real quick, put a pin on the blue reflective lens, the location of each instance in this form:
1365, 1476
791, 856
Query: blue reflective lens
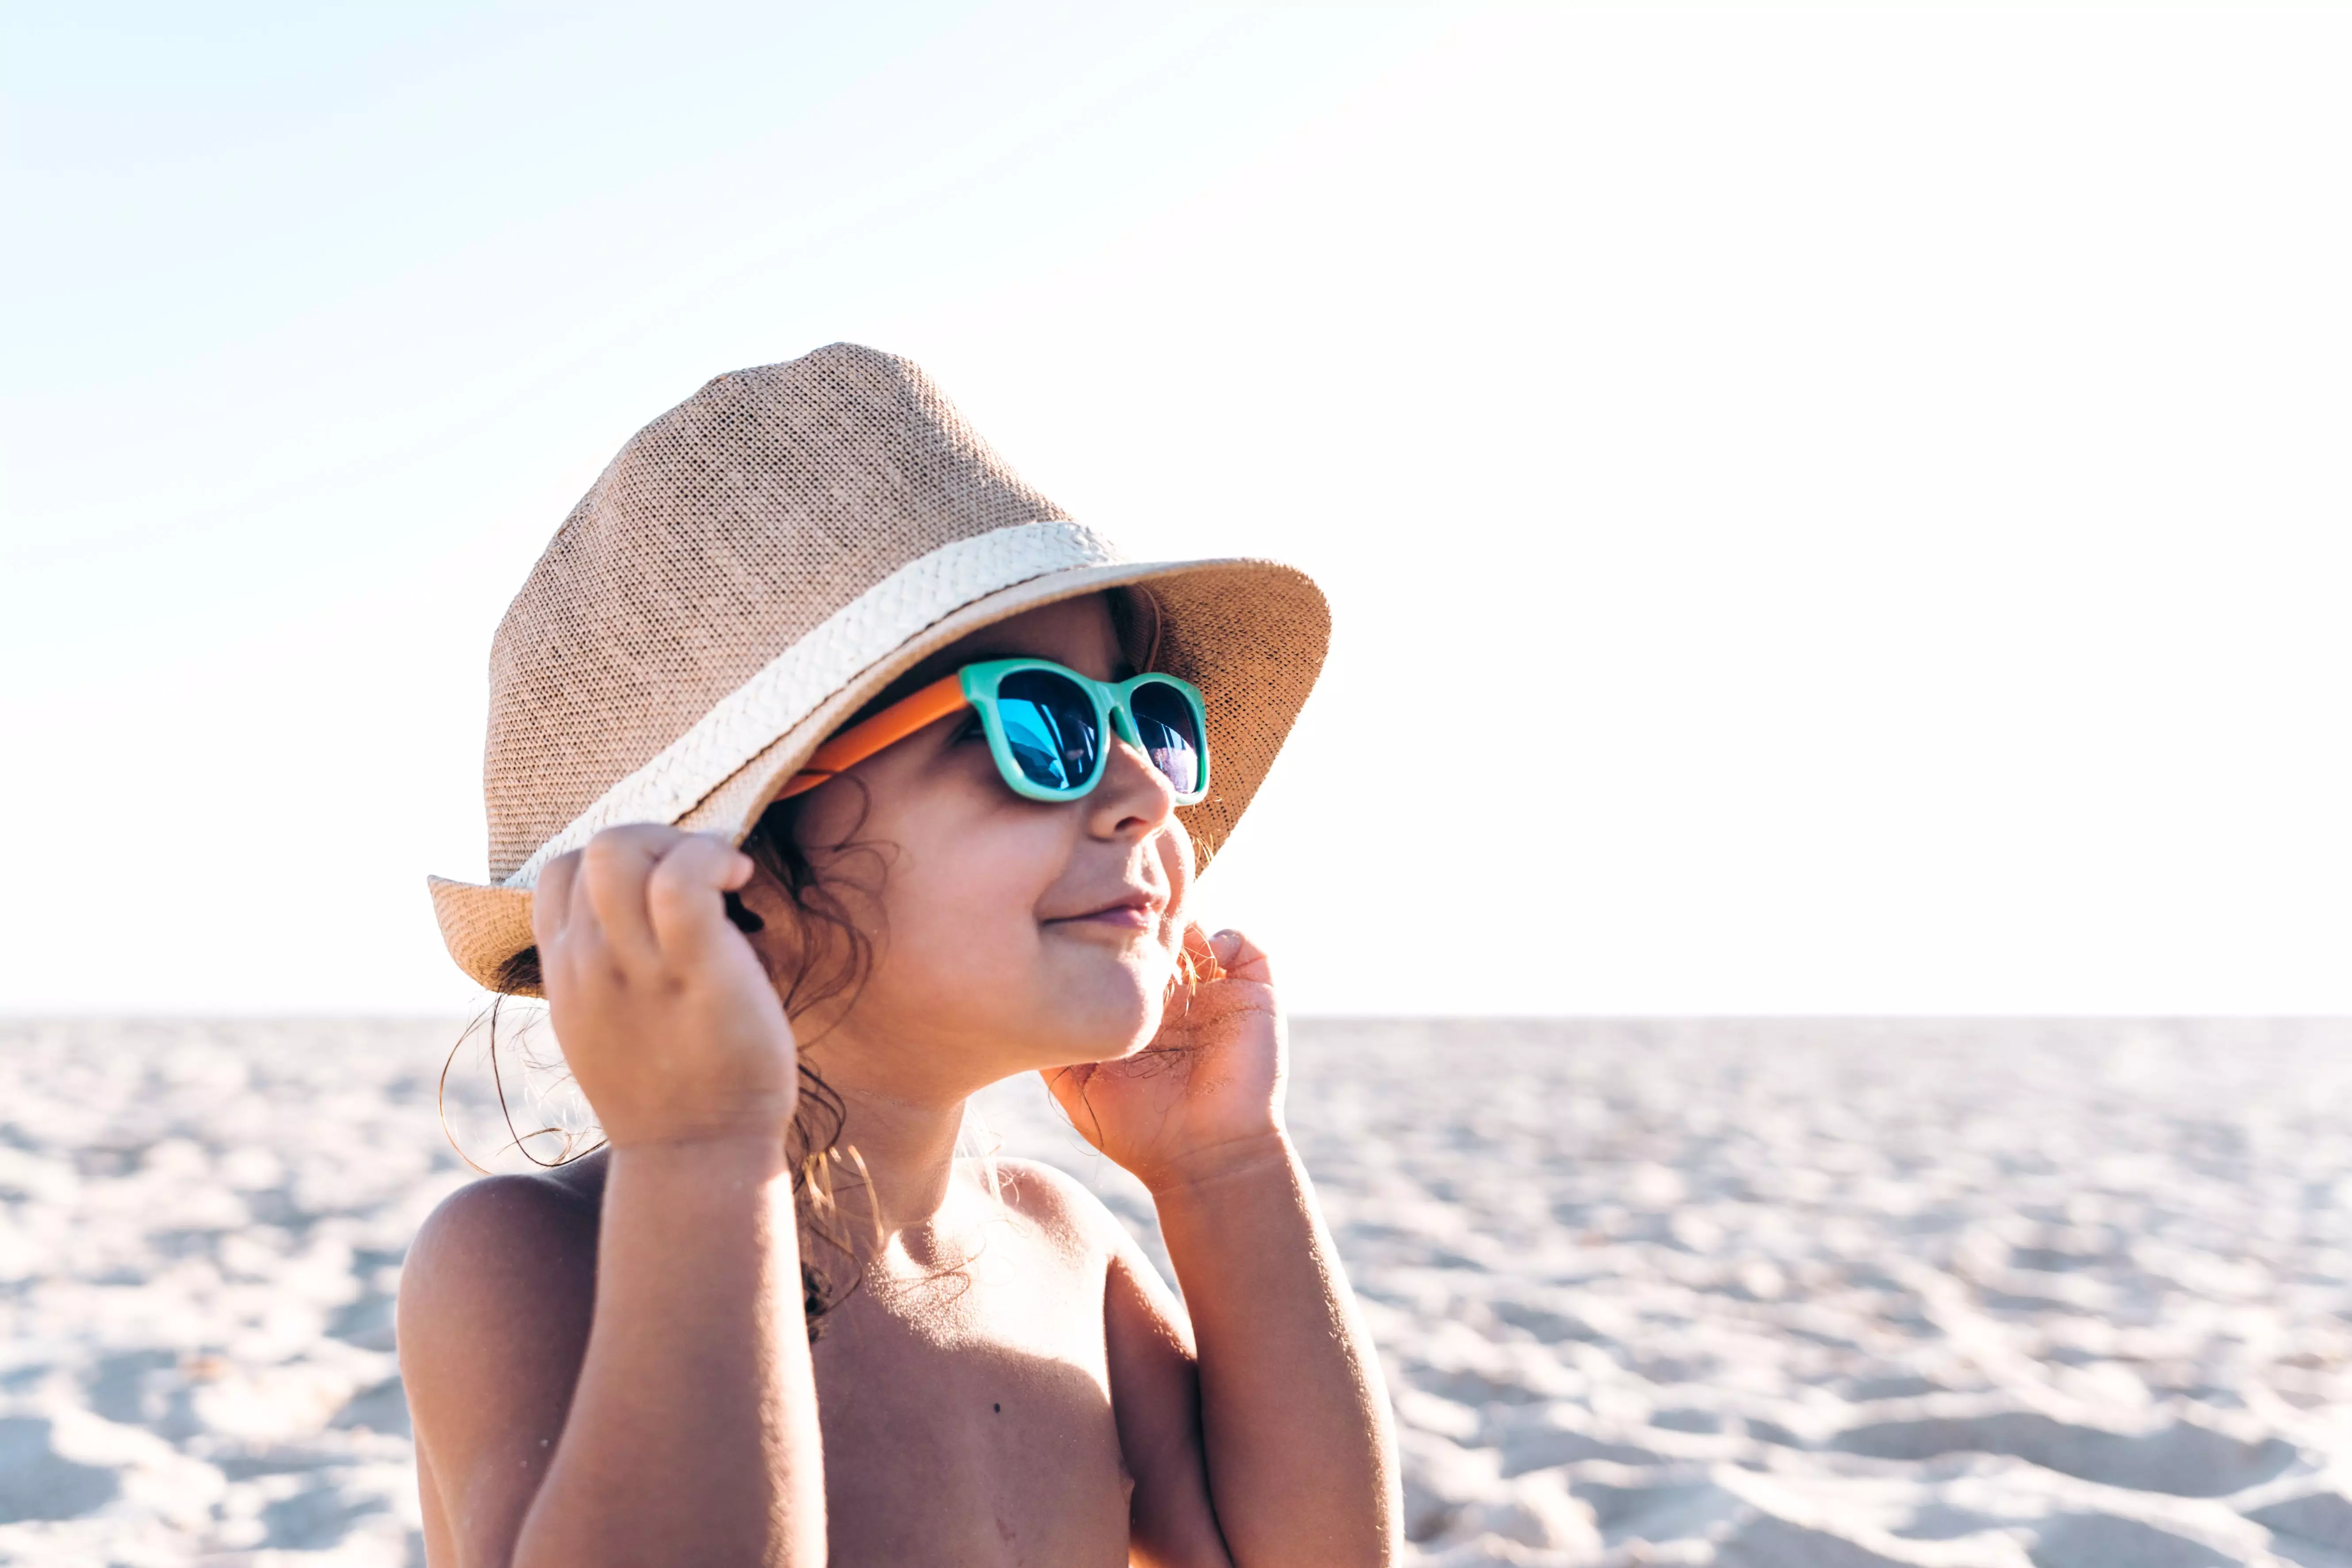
1172, 737
1049, 728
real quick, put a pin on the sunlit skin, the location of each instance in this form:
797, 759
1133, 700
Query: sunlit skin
611, 1363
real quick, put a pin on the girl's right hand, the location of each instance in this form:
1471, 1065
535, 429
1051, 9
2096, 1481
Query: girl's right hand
666, 1019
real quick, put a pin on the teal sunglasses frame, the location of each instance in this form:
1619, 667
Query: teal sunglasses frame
978, 686
1114, 715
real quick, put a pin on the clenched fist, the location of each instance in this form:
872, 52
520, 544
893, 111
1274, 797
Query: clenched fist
666, 1019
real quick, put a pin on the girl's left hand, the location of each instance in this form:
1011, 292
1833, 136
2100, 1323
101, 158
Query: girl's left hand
1206, 1096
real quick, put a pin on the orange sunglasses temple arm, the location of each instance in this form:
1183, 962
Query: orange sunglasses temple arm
888, 728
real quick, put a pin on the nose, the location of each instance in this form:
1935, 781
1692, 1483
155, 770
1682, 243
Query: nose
1134, 799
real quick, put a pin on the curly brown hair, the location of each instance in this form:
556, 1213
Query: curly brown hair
833, 955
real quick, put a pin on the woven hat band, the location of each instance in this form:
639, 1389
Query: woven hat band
796, 681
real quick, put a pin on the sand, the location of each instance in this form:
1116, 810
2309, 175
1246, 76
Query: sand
2002, 1294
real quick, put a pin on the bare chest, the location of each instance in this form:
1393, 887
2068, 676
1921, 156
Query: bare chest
966, 1414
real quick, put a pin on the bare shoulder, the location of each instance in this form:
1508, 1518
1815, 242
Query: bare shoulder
1059, 1204
504, 1244
537, 1218
495, 1304
1150, 1357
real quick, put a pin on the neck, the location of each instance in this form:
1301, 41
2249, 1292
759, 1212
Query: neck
897, 1158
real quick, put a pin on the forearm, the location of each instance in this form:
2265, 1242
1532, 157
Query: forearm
692, 1434
1295, 1419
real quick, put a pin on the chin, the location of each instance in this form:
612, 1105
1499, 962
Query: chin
1101, 1007
1105, 1027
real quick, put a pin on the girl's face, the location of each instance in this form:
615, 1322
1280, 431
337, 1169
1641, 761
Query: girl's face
1009, 934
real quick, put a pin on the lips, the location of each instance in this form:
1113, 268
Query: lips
1137, 909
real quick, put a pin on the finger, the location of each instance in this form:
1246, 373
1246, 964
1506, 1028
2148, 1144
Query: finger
1239, 958
551, 900
613, 870
584, 933
563, 928
686, 894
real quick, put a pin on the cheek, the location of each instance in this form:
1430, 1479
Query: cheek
966, 958
960, 907
1177, 862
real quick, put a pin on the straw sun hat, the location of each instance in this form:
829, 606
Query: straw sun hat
757, 565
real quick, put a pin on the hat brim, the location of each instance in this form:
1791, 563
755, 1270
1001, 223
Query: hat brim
1251, 635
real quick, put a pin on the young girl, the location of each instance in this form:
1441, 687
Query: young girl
973, 762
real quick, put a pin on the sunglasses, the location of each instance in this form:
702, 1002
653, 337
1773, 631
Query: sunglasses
1049, 728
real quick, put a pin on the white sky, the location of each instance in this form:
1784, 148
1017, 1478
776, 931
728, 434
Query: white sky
1827, 510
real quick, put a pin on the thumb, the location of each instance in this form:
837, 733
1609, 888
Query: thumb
1239, 958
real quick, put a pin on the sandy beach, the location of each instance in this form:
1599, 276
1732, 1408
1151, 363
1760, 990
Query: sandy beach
2069, 1295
